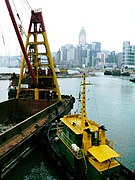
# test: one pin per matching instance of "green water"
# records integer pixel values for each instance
(110, 102)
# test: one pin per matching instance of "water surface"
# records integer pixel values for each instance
(110, 102)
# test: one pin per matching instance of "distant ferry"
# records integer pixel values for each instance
(116, 72)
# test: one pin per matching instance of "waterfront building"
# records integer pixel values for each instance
(78, 56)
(111, 61)
(128, 55)
(96, 47)
(119, 59)
(83, 55)
(101, 57)
(71, 57)
(112, 57)
(67, 55)
(57, 57)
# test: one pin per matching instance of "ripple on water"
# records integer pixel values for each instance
(42, 172)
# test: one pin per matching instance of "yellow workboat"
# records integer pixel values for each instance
(80, 146)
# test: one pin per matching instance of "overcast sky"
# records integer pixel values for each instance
(110, 22)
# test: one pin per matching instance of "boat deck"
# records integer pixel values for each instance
(22, 137)
(6, 146)
(28, 131)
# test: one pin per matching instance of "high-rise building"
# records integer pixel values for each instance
(128, 54)
(58, 57)
(83, 55)
(96, 46)
(82, 37)
(67, 55)
(119, 59)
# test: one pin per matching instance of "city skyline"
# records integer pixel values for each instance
(109, 22)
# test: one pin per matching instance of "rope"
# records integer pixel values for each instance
(14, 5)
(79, 99)
(85, 165)
(96, 105)
(28, 5)
(3, 40)
(21, 28)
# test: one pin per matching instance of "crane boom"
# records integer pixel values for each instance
(21, 42)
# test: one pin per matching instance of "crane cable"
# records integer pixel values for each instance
(3, 40)
(96, 107)
(20, 26)
(28, 5)
(25, 6)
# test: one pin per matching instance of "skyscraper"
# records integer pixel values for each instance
(128, 54)
(82, 37)
(96, 46)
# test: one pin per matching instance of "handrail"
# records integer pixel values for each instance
(65, 139)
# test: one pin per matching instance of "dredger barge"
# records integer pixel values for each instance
(34, 96)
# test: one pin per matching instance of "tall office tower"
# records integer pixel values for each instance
(128, 54)
(67, 54)
(82, 37)
(96, 46)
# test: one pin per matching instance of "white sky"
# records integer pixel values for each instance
(110, 22)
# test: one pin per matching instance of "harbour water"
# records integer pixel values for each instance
(110, 102)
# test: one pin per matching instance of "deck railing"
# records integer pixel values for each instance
(68, 143)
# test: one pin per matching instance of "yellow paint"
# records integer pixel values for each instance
(51, 63)
(104, 165)
(33, 40)
(94, 143)
(36, 94)
(103, 152)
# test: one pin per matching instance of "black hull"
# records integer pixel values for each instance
(56, 159)
(116, 73)
(132, 80)
(53, 153)
(107, 72)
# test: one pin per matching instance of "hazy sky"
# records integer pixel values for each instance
(107, 21)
